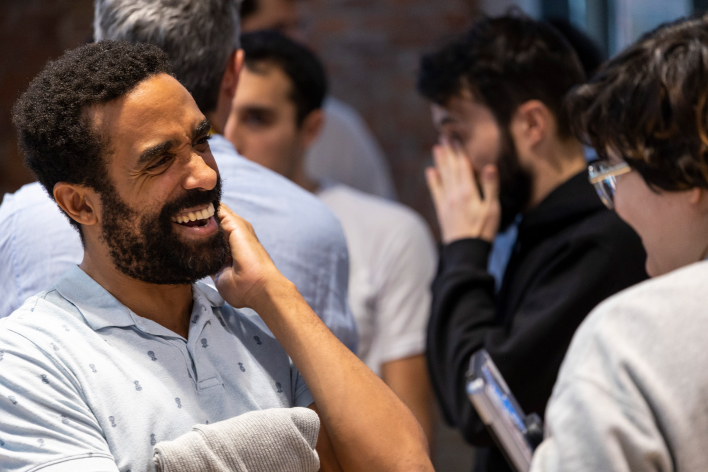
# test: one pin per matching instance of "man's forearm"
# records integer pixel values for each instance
(369, 427)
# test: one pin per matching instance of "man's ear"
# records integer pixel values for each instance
(698, 199)
(233, 71)
(311, 127)
(79, 202)
(531, 123)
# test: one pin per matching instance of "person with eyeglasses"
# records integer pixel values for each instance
(632, 393)
(506, 149)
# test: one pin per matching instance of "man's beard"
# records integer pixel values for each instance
(154, 253)
(514, 183)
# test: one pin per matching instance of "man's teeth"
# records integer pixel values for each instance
(195, 215)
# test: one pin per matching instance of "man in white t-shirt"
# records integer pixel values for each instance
(345, 149)
(276, 115)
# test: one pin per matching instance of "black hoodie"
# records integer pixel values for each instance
(571, 253)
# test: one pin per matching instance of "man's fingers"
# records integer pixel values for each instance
(467, 180)
(236, 229)
(432, 177)
(444, 165)
(490, 183)
(452, 179)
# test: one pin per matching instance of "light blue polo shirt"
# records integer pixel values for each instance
(86, 384)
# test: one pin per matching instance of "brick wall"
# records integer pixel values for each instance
(31, 32)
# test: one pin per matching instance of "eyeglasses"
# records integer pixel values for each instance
(603, 175)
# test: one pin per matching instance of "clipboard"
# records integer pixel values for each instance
(516, 434)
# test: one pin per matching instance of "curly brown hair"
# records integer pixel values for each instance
(648, 104)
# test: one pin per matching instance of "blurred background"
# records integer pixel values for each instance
(371, 49)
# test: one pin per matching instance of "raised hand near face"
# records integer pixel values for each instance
(463, 211)
(250, 271)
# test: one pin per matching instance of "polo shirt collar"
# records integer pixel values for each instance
(101, 310)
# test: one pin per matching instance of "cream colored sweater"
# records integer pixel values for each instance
(275, 440)
(632, 393)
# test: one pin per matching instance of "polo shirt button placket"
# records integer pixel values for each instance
(207, 373)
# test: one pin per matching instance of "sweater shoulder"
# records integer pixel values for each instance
(656, 324)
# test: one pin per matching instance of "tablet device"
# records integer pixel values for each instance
(514, 432)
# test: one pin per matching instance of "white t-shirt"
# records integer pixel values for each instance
(392, 261)
(347, 152)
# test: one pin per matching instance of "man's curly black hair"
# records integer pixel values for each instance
(55, 134)
(504, 62)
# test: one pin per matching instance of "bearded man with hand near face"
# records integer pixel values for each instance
(127, 349)
(506, 149)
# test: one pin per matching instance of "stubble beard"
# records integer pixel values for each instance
(514, 183)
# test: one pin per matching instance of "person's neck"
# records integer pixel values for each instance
(218, 117)
(301, 178)
(167, 305)
(561, 161)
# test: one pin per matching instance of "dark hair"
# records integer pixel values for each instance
(504, 62)
(248, 8)
(199, 36)
(589, 53)
(55, 135)
(649, 105)
(303, 68)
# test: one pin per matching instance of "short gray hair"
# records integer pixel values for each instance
(197, 35)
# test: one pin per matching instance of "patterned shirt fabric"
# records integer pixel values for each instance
(86, 384)
(302, 236)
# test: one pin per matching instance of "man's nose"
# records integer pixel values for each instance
(202, 172)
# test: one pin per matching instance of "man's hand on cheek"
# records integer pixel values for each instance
(463, 212)
(243, 282)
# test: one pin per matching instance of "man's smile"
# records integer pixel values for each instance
(198, 221)
(195, 217)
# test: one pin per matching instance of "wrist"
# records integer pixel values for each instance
(276, 289)
(466, 254)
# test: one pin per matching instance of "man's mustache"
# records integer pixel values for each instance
(192, 198)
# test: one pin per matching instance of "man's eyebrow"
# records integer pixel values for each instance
(151, 152)
(257, 108)
(202, 128)
(156, 150)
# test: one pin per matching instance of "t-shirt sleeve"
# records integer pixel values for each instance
(46, 424)
(403, 301)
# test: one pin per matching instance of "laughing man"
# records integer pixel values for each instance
(127, 349)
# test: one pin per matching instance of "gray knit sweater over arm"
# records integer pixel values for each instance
(275, 440)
